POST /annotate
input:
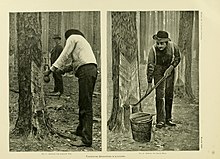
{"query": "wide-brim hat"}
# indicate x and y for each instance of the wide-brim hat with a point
(161, 36)
(56, 37)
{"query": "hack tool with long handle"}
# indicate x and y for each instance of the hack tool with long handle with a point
(147, 93)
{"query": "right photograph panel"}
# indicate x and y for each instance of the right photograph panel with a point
(153, 80)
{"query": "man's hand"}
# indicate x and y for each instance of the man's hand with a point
(47, 73)
(68, 68)
(59, 71)
(149, 88)
(168, 71)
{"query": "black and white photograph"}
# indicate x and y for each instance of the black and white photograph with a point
(54, 81)
(109, 79)
(153, 80)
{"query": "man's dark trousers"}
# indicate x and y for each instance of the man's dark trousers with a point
(58, 82)
(164, 94)
(87, 75)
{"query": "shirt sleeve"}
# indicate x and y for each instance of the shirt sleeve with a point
(150, 65)
(177, 57)
(65, 54)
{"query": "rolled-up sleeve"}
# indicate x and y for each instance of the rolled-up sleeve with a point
(150, 65)
(65, 54)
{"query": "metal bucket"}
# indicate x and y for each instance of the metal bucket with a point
(141, 125)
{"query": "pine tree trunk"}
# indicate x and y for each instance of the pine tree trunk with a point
(115, 120)
(31, 114)
(185, 44)
(125, 69)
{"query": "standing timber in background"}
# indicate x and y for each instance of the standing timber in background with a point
(183, 28)
(57, 23)
(150, 23)
(39, 120)
(30, 43)
(185, 44)
(130, 39)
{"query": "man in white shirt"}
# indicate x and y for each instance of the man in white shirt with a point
(84, 66)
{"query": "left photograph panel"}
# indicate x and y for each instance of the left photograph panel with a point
(54, 81)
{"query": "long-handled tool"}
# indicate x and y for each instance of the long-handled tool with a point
(147, 93)
(142, 133)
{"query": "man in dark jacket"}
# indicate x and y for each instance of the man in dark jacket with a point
(55, 53)
(163, 57)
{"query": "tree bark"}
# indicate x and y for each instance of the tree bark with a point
(31, 113)
(114, 121)
(124, 68)
(185, 44)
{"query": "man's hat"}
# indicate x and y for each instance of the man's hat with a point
(56, 37)
(161, 36)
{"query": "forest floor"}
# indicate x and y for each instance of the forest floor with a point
(183, 137)
(63, 112)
